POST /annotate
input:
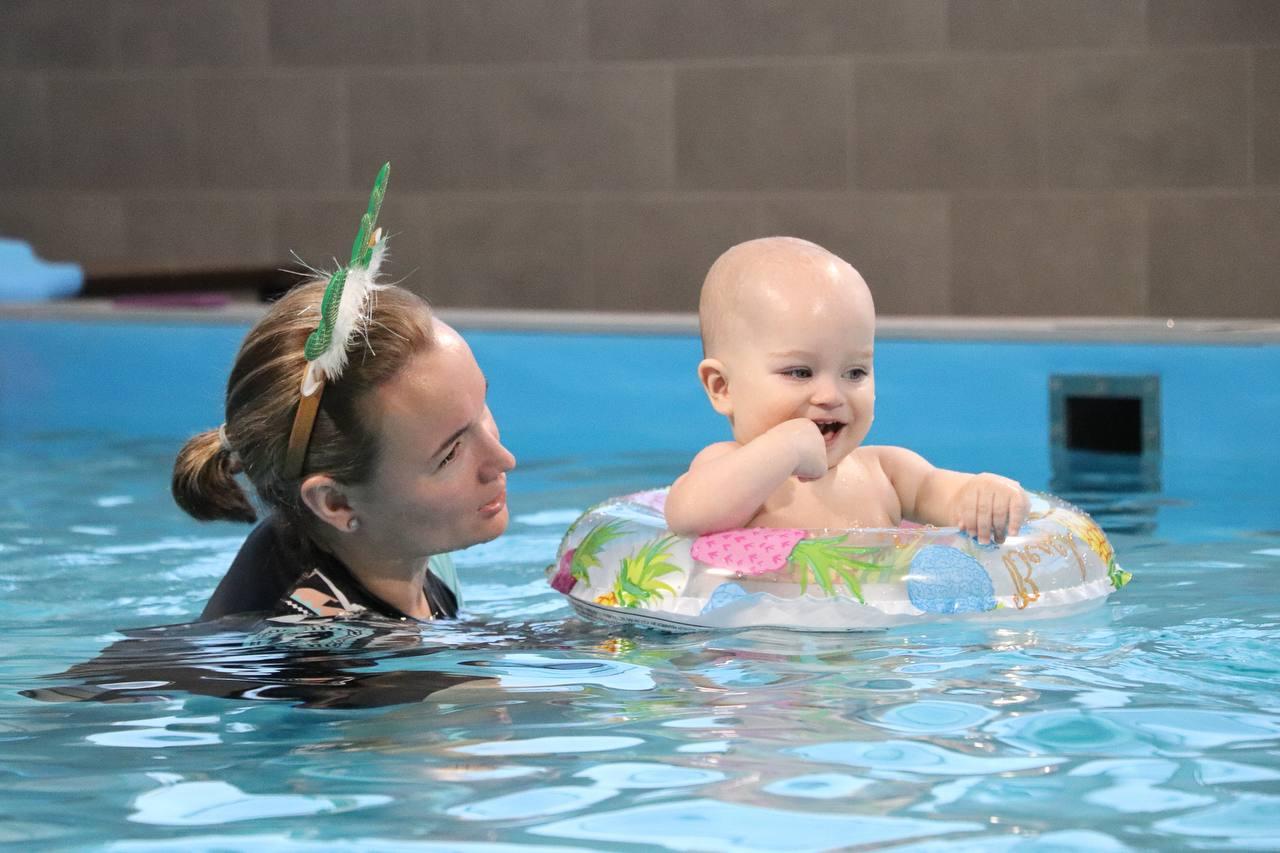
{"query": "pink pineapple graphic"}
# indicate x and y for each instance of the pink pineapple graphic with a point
(759, 551)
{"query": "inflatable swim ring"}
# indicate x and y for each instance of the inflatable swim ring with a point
(619, 563)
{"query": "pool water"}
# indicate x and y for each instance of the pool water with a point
(1150, 723)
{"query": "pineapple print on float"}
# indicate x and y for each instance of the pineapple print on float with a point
(619, 563)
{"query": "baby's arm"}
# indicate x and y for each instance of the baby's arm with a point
(727, 483)
(986, 506)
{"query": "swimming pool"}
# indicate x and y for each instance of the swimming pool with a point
(1152, 723)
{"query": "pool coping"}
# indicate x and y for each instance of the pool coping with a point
(895, 327)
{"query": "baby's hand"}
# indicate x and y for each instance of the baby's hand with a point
(803, 436)
(990, 507)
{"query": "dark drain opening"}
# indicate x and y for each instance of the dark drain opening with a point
(1105, 433)
(1104, 424)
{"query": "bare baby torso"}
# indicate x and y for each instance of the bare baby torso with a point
(855, 493)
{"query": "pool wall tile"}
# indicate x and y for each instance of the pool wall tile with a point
(1074, 254)
(1167, 119)
(344, 33)
(567, 129)
(389, 33)
(526, 251)
(764, 127)
(865, 124)
(678, 29)
(50, 221)
(653, 253)
(319, 227)
(456, 249)
(900, 242)
(1019, 25)
(1218, 246)
(119, 132)
(1185, 22)
(469, 31)
(200, 228)
(277, 132)
(1266, 112)
(24, 142)
(189, 33)
(984, 113)
(55, 34)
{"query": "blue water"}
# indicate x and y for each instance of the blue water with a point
(1152, 723)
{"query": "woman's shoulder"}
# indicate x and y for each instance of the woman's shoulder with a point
(263, 570)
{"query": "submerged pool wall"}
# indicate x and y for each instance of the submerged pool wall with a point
(966, 404)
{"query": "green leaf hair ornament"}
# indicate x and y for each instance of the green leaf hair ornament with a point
(343, 312)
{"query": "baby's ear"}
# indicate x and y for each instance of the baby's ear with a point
(715, 382)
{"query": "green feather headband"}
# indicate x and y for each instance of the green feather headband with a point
(343, 312)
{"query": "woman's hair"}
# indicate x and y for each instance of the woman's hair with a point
(262, 399)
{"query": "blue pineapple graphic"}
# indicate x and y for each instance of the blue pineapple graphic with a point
(946, 580)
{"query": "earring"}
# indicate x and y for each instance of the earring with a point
(353, 523)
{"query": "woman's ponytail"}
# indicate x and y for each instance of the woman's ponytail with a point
(204, 482)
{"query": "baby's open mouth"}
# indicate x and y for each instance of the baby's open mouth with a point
(829, 429)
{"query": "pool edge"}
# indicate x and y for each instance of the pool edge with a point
(894, 327)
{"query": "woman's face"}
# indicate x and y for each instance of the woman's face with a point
(439, 483)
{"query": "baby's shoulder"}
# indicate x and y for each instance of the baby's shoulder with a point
(714, 451)
(886, 455)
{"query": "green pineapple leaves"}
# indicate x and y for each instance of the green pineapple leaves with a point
(829, 561)
(587, 554)
(637, 582)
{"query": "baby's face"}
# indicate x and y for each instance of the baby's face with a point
(803, 348)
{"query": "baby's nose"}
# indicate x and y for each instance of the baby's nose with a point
(824, 393)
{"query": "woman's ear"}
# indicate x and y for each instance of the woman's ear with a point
(715, 382)
(327, 500)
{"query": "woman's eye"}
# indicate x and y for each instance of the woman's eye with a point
(453, 451)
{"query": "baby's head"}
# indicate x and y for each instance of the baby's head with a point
(788, 331)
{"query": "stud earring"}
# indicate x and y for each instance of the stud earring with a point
(353, 523)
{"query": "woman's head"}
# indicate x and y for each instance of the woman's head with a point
(262, 399)
(438, 482)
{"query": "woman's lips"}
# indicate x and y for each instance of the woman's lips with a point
(496, 505)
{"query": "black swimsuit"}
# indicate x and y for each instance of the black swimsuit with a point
(266, 577)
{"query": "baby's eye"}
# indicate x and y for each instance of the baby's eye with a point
(857, 374)
(453, 451)
(798, 372)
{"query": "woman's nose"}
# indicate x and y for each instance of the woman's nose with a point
(498, 460)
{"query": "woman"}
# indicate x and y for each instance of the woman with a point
(370, 480)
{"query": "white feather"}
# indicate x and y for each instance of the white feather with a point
(353, 312)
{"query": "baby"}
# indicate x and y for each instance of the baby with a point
(788, 331)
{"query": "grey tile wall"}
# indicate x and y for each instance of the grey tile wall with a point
(1219, 251)
(518, 252)
(24, 142)
(1009, 157)
(1047, 255)
(1169, 119)
(900, 242)
(948, 124)
(1025, 25)
(1266, 116)
(652, 253)
(1243, 22)
(200, 229)
(732, 29)
(783, 127)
